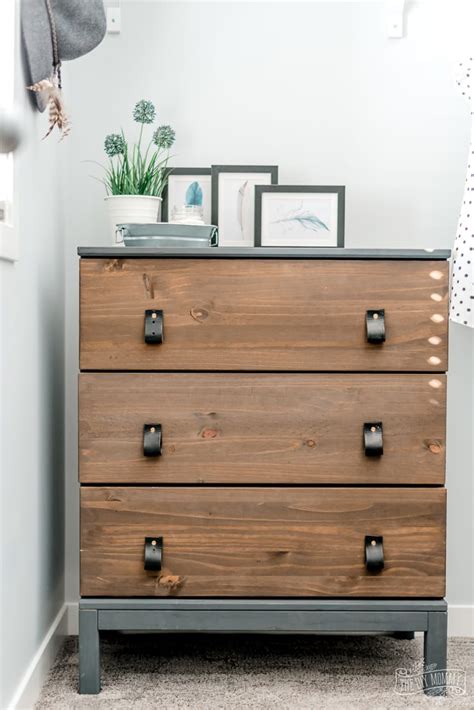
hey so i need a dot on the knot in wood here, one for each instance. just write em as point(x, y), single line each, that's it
point(149, 288)
point(170, 581)
point(435, 447)
point(113, 265)
point(209, 433)
point(311, 443)
point(199, 313)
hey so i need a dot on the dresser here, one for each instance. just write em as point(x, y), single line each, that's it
point(262, 443)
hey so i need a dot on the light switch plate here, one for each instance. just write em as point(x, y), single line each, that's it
point(114, 20)
point(395, 18)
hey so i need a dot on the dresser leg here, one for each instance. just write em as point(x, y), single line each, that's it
point(89, 652)
point(436, 643)
point(409, 635)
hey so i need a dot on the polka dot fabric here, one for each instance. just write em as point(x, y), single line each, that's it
point(462, 278)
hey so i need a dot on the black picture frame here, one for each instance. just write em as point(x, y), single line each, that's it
point(340, 190)
point(179, 171)
point(217, 170)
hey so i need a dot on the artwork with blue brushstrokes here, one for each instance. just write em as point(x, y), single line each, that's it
point(194, 195)
point(305, 219)
point(299, 219)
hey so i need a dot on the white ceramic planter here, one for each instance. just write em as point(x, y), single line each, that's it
point(136, 209)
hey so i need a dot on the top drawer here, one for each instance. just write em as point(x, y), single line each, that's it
point(233, 314)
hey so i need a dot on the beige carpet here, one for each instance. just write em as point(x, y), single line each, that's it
point(206, 672)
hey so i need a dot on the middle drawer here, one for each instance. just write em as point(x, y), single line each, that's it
point(262, 428)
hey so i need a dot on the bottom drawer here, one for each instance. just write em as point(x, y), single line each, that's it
point(262, 542)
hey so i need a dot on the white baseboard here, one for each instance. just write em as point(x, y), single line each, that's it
point(72, 618)
point(32, 681)
point(460, 619)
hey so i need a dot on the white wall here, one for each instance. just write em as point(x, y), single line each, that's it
point(31, 411)
point(318, 89)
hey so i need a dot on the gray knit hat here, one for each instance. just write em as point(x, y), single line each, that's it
point(80, 26)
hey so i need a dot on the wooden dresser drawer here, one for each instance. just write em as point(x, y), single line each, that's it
point(262, 428)
point(259, 314)
point(262, 542)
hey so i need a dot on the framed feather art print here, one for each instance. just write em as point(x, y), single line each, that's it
point(299, 216)
point(233, 201)
point(188, 187)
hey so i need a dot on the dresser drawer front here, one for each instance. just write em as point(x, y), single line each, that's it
point(262, 428)
point(262, 542)
point(226, 314)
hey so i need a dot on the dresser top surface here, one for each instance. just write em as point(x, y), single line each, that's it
point(119, 252)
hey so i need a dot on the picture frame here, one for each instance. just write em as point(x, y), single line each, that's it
point(180, 180)
point(299, 216)
point(233, 201)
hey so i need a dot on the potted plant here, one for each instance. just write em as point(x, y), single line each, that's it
point(135, 178)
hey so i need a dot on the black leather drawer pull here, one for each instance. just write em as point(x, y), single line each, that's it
point(374, 553)
point(153, 327)
point(375, 324)
point(373, 438)
point(152, 440)
point(153, 553)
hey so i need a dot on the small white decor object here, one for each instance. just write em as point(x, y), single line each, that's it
point(187, 214)
point(233, 201)
point(299, 216)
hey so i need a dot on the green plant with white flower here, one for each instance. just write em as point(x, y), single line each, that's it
point(137, 171)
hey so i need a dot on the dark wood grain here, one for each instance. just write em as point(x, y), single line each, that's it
point(262, 428)
point(258, 542)
point(263, 314)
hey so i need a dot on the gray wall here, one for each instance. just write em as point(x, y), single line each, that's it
point(31, 410)
point(318, 89)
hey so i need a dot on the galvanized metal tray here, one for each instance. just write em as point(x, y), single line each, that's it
point(165, 234)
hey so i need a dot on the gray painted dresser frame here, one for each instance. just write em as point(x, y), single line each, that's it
point(401, 618)
point(321, 616)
